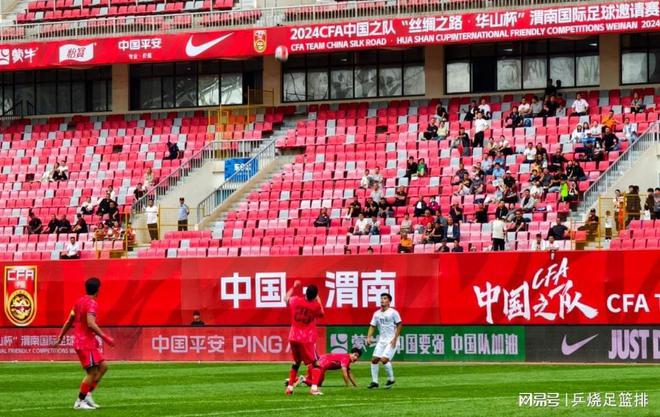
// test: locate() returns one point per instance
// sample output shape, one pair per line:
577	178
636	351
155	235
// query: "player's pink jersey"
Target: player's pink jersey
332	361
303	319
84	337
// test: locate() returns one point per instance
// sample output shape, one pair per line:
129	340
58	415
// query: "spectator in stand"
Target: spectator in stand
575	172
609	225
464	188
561	101
151	212
406	225
443	130
471	112
619	204
608	121
558	231
80	226
484	108
550	89
538	244
113	194
377	177
441	112
354	208
629	130
481	125
172	150
552	245
452	230
580	106
72	250
405	244
375	226
60	172
431	132
456	213
362	226
656	203
498	171
323	220
610	142
424	221
518	223
53	225
376	193
536	191
148	179
433	205
47	176
501	212
529	153
481	214
87	208
443	248
649	203
63	225
498	234
347	250
637	104
366	181
411	167
129	236
197	320
541	153
428	235
591	224
461	174
557	161
34	224
370	208
103	206
400	196
514	119
420	207
184	212
536	106
578	135
524	108
422	169
100	232
465	143
457	248
595	132
112	214
527	202
139	191
550	106
471	248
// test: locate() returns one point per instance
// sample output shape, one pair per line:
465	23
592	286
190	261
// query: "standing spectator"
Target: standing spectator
656	203
139	191
550	89
471	111
111	191
34	224
87	207
80	226
580	106
498	234
323	220
148	179
405	244
184	212
151	213
609	224
649	204
72	250
558	231
481	125
619	203
464	141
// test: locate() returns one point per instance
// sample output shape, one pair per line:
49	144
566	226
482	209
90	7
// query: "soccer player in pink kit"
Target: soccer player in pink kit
336	361
302	336
83	319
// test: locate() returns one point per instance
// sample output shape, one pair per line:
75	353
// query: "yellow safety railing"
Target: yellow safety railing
225	116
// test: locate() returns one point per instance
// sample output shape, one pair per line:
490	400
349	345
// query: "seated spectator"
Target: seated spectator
433	205
405	244
113	194
406	225
628	130
376	193
481	214
527	202
87	207
443	248
557	161
456	213
578	135
370	250
63	225
524	108
504	147
148	179
385	209
100	232
427	233
431	132
197	320
457	248
80	226
536	106
552	245
112	214
471	111
376	177
366	181
114	232
53	225
498	171
558	231
34	224
464	188
354	208
60	172
575	172
420	207
637	104
103	205
608	121
362	226
514	119
422	169
530	153
580	106
510	194
610	142
461	174
72	250
484	108
129	236
323	219
542	153
411	167
424	221
471	248
452	230
443	130
487	164
400	197
172	150
140	191
370	208
591	224
501	212
536	191
538	244
518	223
441	112
594	133
47	176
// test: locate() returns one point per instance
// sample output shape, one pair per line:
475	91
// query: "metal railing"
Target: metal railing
243	174
613	172
263	17
216	150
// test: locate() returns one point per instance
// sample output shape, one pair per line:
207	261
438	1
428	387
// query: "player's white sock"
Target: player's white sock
389	370
374	372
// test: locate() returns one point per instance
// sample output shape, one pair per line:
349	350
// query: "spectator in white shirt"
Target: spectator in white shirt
580	106
484	108
113	194
366	180
498	234
362	226
376	177
376	194
87	207
629	129
151	213
578	134
72	250
530	153
524	108
148	179
552	245
539	244
481	125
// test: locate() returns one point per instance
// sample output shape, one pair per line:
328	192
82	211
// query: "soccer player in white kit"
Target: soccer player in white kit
388	322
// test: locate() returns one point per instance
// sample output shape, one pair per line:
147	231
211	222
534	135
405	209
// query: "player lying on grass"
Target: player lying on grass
83	320
333	362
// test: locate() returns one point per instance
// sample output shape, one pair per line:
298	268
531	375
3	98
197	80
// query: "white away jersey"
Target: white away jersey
386	322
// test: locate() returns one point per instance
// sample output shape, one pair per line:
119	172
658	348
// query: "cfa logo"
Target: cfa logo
260	41
20	284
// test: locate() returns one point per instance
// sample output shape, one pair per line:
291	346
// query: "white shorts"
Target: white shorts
384	350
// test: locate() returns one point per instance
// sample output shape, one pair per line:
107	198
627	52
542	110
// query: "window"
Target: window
193	84
509	66
640	58
348	75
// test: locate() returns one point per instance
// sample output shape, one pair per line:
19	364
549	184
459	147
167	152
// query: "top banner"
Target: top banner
555	22
504	288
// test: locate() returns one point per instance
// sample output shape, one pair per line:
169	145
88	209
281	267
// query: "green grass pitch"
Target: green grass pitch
220	389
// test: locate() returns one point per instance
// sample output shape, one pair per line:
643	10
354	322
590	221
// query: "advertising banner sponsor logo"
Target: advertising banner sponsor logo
439	343
593	343
20	290
487	26
77	53
159	344
246	168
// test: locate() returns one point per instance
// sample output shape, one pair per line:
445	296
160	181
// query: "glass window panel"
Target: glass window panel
588	70
46	98
556	45
25	98
535	73
186	91
168	92
64	75
414	82
78	97
99	96
457	52
413	55
654	67
366	57
458	77
209	90
508	49
64	98
390	82
366	83
483	49
563	68
634	67
341	84
317	85
232	89
341	58
508	74
294	86
535	47
163	69
317	60
389	57
150	93
231	66
295	61
185	68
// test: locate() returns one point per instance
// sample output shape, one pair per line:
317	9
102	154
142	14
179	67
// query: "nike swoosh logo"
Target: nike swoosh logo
568	350
193	51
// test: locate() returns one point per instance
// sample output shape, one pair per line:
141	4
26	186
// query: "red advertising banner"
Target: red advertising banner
505	25
159	344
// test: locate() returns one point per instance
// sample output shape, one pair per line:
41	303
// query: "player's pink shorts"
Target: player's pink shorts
89	357
303	352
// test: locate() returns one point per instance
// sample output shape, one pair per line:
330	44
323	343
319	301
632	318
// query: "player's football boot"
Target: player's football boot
302	380
82	405
289	390
90	401
373	385
389	384
315	392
